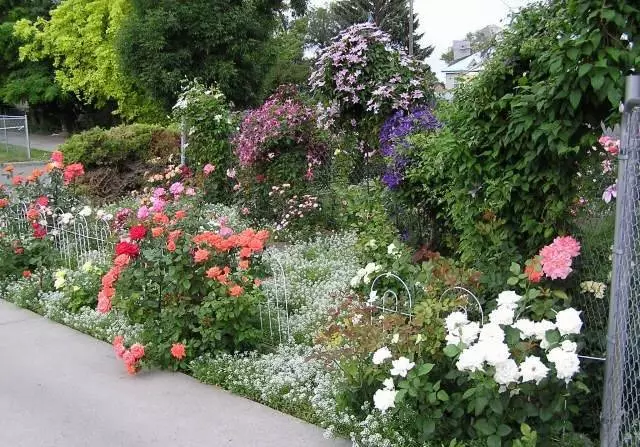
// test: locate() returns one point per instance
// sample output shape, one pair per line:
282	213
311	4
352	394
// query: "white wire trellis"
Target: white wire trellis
398	306
274	310
75	238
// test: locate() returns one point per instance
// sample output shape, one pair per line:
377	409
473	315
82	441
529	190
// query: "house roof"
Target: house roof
467	64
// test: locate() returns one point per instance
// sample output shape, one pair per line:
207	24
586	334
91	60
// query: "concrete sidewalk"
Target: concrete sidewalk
61	388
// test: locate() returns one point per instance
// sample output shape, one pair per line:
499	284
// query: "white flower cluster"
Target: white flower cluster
317	278
485	346
384	398
596	288
365	275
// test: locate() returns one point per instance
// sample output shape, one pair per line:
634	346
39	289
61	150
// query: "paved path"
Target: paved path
61	388
38	141
23	169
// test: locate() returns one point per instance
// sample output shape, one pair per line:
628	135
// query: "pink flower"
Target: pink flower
610	193
245	211
158	204
129	358
178	351
568	245
159	192
231	173
137	350
143	212
118	345
104	305
208	168
190	192
556	258
176	189
225	231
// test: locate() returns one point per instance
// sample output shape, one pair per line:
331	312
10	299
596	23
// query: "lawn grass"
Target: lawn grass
13	153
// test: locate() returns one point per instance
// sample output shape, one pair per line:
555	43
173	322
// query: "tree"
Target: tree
391	16
163	42
322	27
79	39
480	40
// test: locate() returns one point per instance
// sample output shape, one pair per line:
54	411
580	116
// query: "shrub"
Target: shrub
209	124
279	143
523	125
116	158
363	79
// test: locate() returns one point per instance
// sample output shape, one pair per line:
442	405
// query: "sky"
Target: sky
443	21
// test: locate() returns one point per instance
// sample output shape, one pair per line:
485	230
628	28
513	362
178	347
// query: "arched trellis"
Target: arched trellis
465	293
389	301
274	310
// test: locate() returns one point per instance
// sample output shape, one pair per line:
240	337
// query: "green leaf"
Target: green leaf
574	98
467	394
451	350
514	268
584	69
597	81
443	396
512	281
494	441
503	430
425	369
496	406
484	427
480	404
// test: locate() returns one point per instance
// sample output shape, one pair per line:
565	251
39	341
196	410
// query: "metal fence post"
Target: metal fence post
613	418
183	141
26	131
6	136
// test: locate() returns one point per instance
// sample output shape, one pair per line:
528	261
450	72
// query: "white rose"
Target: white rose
471	359
507	372
492	332
568	321
392	249
384	399
567	363
541	328
388	384
526	327
502	315
381	355
454	320
569	346
508	298
495	353
401	367
532	369
469	333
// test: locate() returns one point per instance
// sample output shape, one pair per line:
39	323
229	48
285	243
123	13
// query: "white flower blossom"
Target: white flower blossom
492	332
508	298
569	346
401	367
567	363
469	333
381	355
532	369
541	328
471	359
85	211
568	321
495	353
503	314
395	339
526	327
384	399
388	384
454	320
507	372
392	249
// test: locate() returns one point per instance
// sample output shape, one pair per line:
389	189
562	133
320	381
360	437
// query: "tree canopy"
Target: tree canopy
163	42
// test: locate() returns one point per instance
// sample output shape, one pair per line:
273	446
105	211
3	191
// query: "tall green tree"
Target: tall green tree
162	42
480	40
391	16
79	39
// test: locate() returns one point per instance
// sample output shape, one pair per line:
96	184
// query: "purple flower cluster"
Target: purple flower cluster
394	144
361	68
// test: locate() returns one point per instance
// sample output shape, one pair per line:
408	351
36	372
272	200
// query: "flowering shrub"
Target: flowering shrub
364	79
185	286
278	143
520	365
394	143
209	123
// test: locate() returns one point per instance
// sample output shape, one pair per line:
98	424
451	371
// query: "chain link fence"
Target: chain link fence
621	401
14	136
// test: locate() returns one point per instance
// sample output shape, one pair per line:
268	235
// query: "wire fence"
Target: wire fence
621	401
14	136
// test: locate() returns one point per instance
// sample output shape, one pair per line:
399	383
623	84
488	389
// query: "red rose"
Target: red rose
72	171
138	232
43	201
39	231
26	274
127	248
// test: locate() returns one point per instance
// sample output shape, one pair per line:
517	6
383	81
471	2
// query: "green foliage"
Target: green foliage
120	145
524	123
79	39
209	125
163	42
116	159
480	40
